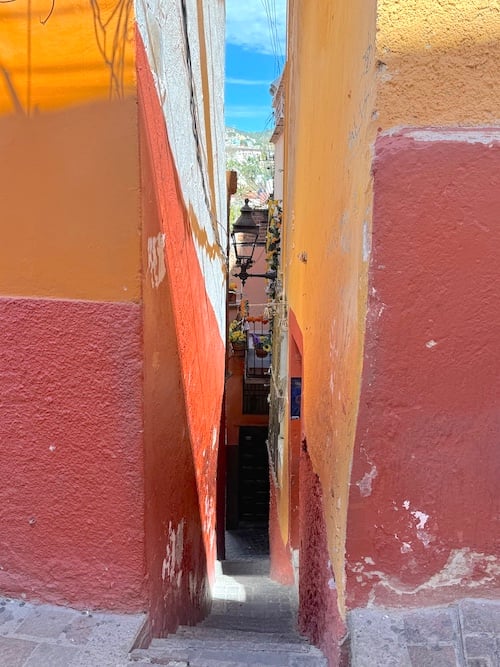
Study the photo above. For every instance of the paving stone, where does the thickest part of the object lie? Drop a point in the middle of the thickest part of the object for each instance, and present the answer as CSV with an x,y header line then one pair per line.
x,y
480,616
46,622
377,639
431,626
14,652
15,612
51,655
480,650
80,629
433,656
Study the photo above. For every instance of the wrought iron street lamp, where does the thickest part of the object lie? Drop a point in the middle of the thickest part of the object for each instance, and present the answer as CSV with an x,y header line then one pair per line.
x,y
244,237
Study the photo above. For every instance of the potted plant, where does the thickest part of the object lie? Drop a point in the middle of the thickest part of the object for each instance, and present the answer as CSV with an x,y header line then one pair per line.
x,y
261,344
232,290
237,336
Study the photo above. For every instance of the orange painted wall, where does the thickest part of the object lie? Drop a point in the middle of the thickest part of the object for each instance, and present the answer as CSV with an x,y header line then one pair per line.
x,y
118,372
427,428
327,208
437,62
69,170
67,56
71,373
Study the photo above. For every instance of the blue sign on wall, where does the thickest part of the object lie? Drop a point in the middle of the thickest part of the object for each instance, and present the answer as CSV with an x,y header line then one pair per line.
x,y
295,397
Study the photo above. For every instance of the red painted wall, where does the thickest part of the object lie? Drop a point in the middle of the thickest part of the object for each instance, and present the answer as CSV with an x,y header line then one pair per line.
x,y
319,618
423,525
184,374
71,498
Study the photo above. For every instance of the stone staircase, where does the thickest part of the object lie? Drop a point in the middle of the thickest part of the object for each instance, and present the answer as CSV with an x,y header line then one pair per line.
x,y
252,624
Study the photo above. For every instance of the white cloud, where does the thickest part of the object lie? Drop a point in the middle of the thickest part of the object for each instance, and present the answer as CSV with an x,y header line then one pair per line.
x,y
247,82
247,112
248,25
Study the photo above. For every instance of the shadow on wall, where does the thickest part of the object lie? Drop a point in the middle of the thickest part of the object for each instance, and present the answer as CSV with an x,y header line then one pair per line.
x,y
184,382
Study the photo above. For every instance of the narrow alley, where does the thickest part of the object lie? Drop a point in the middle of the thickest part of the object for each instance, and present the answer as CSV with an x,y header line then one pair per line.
x,y
253,621
249,422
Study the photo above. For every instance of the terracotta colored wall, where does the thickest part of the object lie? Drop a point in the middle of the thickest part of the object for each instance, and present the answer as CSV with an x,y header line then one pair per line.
x,y
424,508
71,351
424,375
423,500
110,393
184,375
71,506
318,593
327,208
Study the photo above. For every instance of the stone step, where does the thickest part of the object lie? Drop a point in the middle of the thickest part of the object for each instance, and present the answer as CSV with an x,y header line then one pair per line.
x,y
233,654
256,624
236,635
184,643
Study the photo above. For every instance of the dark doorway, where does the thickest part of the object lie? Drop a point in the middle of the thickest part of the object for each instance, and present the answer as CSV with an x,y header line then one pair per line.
x,y
253,477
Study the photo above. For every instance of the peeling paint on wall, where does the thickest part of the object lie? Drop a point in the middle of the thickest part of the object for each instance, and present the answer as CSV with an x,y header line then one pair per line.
x,y
156,259
365,484
171,569
461,568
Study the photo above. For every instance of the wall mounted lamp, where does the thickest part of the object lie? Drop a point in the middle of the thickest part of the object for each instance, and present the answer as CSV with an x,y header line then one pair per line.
x,y
244,237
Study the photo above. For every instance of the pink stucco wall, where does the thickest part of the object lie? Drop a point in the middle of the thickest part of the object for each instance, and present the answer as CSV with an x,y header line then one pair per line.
x,y
423,523
71,498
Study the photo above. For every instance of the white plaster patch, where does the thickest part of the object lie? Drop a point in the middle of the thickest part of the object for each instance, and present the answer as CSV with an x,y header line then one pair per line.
x,y
365,484
209,519
424,536
368,560
422,519
457,571
367,241
406,504
171,567
405,548
430,344
331,584
486,137
156,259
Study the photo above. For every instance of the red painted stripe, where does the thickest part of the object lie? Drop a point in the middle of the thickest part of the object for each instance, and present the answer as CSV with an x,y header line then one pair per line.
x,y
182,338
71,498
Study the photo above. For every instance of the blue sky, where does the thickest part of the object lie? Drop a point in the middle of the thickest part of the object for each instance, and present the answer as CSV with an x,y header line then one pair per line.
x,y
255,48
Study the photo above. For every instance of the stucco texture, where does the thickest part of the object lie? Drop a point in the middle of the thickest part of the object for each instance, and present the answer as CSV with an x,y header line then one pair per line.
x,y
437,62
184,358
184,43
327,212
57,57
69,172
69,186
71,499
424,508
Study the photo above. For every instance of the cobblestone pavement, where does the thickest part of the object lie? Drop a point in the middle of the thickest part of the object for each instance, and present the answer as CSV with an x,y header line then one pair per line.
x,y
49,636
463,635
247,543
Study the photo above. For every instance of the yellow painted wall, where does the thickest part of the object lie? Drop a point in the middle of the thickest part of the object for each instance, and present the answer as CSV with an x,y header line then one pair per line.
x,y
69,175
327,205
438,62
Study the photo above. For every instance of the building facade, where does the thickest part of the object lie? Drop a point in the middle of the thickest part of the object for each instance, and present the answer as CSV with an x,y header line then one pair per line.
x,y
112,276
385,484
